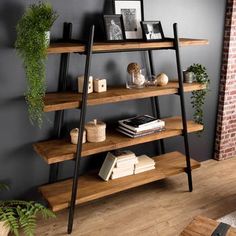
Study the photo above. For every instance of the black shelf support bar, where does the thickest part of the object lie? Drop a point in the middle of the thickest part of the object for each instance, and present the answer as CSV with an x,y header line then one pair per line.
x,y
182,101
81,128
59,117
155,100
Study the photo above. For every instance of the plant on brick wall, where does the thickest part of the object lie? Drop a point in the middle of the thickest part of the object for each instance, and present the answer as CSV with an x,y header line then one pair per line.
x,y
31,45
21,215
198,97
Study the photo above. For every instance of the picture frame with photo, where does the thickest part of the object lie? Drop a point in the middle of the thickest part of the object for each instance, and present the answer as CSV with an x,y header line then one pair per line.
x,y
133,14
152,31
114,27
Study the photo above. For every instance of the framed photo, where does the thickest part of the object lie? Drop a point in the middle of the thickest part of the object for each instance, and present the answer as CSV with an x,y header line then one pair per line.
x,y
152,30
132,12
114,27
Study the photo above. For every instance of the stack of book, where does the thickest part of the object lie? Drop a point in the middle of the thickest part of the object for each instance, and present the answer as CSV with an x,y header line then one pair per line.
x,y
145,163
140,126
118,164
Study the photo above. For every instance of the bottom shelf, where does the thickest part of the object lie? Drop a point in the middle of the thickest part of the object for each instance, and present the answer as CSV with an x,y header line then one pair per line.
x,y
91,187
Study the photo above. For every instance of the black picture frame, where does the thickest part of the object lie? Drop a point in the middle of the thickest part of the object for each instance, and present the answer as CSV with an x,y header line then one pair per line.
x,y
157,31
136,34
118,24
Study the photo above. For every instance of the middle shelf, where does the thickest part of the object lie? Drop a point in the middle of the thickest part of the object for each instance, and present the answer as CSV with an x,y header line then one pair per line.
x,y
55,151
71,100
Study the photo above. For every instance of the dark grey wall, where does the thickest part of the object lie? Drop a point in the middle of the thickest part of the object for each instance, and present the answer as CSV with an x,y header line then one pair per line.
x,y
19,164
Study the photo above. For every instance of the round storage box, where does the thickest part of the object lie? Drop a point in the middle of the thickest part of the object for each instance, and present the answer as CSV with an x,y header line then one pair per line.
x,y
74,133
96,131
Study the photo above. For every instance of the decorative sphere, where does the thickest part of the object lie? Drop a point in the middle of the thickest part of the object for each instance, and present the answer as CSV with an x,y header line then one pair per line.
x,y
161,80
133,68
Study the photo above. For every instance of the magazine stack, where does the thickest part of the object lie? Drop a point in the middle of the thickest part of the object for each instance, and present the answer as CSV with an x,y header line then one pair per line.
x,y
140,126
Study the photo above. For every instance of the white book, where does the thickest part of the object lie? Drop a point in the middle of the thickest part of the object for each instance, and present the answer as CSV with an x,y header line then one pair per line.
x,y
144,170
144,161
127,163
107,166
144,167
125,155
123,169
126,173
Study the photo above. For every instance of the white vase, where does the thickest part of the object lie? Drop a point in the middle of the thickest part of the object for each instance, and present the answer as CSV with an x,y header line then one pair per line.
x,y
47,38
4,231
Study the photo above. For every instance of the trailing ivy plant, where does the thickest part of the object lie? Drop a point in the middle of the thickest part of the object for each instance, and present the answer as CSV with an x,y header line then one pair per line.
x,y
31,45
18,215
198,97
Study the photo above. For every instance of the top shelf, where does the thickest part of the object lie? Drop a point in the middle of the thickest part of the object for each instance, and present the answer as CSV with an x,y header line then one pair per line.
x,y
121,47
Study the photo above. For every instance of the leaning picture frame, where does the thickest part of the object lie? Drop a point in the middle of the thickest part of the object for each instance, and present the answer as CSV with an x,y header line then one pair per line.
x,y
133,14
152,31
114,27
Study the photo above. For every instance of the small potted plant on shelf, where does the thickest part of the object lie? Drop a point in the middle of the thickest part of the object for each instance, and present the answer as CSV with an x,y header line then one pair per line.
x,y
31,44
17,214
198,97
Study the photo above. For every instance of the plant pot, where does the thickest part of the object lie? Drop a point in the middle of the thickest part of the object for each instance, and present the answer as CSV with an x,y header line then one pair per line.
x,y
188,77
47,38
4,231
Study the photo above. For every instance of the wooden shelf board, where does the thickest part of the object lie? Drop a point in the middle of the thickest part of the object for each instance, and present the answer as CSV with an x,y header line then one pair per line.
x,y
91,187
121,47
72,100
54,151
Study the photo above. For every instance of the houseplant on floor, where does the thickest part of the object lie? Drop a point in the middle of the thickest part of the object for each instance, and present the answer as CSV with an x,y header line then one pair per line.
x,y
17,214
198,97
31,44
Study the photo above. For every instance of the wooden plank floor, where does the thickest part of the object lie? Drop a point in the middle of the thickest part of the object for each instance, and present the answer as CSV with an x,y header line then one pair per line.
x,y
162,208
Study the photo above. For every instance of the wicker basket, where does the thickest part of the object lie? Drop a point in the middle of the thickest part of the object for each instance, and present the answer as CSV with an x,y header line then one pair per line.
x,y
96,131
74,133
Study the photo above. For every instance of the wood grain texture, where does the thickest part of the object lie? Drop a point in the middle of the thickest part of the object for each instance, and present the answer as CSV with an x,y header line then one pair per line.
x,y
54,151
203,226
117,47
161,208
71,100
92,187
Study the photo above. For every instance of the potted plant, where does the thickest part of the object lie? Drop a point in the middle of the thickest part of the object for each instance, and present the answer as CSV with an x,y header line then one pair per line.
x,y
17,214
198,97
31,44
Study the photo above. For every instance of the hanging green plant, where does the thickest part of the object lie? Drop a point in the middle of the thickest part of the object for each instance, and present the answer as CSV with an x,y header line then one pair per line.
x,y
198,97
17,214
31,45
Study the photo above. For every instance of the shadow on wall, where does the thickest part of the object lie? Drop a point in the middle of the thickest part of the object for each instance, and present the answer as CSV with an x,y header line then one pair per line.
x,y
10,13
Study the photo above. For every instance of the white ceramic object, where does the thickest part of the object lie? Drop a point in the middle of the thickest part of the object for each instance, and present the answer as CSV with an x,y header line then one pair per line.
x,y
100,85
161,79
81,84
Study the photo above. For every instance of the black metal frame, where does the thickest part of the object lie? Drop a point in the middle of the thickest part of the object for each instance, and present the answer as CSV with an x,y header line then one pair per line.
x,y
183,111
81,128
155,102
59,117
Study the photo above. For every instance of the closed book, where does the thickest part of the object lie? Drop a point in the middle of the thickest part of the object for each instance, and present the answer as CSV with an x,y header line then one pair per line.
x,y
118,170
144,170
140,121
137,135
143,167
126,163
107,166
141,132
158,124
124,155
144,161
123,174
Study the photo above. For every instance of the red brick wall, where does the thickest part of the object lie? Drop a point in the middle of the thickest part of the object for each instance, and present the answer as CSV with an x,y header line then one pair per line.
x,y
226,120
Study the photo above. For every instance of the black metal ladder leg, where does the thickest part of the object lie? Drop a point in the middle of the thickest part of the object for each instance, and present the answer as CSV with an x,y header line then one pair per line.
x,y
155,100
59,117
81,128
182,101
